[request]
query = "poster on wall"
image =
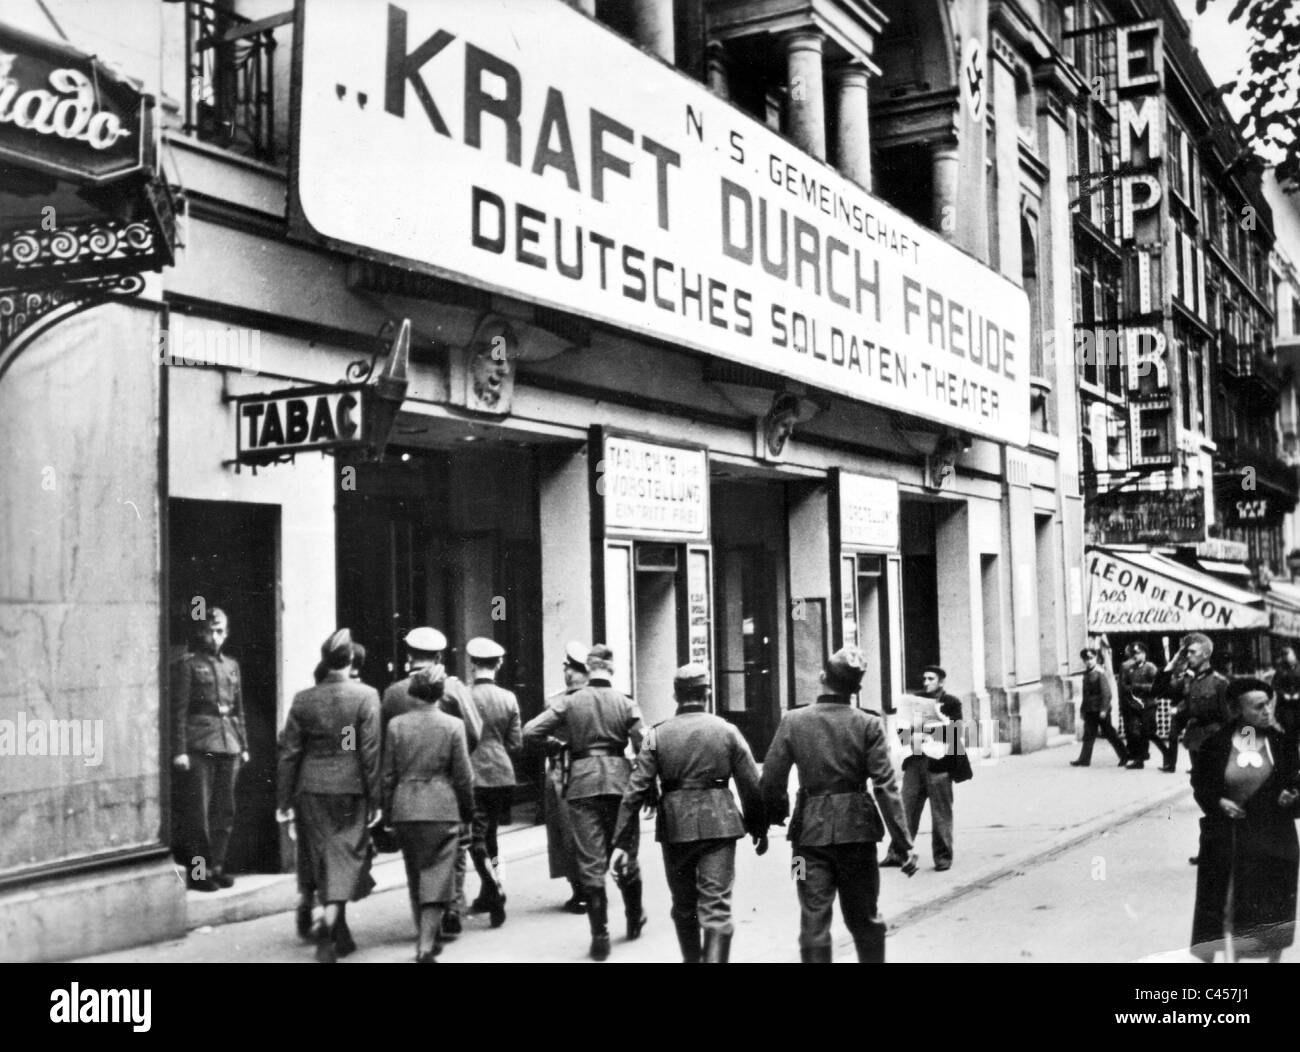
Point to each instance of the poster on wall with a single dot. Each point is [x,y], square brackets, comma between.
[699,616]
[651,489]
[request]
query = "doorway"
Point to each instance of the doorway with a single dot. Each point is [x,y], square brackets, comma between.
[228,553]
[920,590]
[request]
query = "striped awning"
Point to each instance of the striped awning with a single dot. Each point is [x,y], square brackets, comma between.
[1146,592]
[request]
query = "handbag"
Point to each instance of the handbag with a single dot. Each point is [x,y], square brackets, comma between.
[961,768]
[384,839]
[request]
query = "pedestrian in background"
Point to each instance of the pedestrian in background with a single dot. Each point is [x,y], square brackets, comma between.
[561,849]
[1137,706]
[329,777]
[598,722]
[693,757]
[208,744]
[835,827]
[1286,690]
[494,772]
[1095,710]
[1245,780]
[428,794]
[930,777]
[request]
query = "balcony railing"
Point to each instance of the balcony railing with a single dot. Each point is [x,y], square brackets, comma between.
[230,64]
[1238,451]
[1254,372]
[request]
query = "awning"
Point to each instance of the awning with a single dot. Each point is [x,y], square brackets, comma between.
[1283,605]
[1145,592]
[1226,569]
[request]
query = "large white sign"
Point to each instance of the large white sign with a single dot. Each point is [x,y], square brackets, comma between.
[868,512]
[654,490]
[524,148]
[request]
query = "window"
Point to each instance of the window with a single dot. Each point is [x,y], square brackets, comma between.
[1176,147]
[1295,316]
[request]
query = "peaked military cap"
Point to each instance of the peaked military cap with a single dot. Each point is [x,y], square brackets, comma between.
[426,639]
[480,648]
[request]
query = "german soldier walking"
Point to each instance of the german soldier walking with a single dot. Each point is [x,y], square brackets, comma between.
[835,827]
[494,771]
[694,755]
[561,849]
[1137,680]
[598,722]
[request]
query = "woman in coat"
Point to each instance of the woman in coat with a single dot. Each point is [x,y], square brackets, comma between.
[329,781]
[1246,783]
[428,791]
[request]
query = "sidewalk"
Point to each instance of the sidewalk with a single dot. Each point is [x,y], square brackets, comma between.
[1016,812]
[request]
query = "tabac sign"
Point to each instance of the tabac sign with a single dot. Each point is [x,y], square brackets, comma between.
[299,420]
[68,114]
[490,146]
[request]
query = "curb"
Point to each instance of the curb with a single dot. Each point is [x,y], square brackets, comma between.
[1002,869]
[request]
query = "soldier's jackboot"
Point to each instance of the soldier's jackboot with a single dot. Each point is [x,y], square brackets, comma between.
[688,938]
[598,918]
[871,949]
[816,954]
[717,947]
[636,915]
[489,898]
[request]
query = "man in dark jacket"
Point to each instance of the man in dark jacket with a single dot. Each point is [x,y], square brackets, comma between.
[208,744]
[694,756]
[1137,705]
[598,722]
[1205,696]
[1286,691]
[1095,710]
[835,827]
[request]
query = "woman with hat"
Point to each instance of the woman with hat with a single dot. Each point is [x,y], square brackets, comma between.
[329,782]
[428,792]
[1245,780]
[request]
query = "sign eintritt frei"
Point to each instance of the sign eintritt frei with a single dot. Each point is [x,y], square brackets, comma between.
[489,148]
[654,490]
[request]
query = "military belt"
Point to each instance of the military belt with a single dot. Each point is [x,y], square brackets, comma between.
[708,783]
[835,788]
[599,750]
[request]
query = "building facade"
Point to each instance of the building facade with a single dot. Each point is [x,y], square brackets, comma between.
[752,362]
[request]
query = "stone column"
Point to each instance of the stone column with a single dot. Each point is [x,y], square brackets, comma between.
[718,76]
[805,115]
[652,22]
[852,142]
[944,165]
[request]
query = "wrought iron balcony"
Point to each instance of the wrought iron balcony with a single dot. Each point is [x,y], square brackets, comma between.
[1253,372]
[230,73]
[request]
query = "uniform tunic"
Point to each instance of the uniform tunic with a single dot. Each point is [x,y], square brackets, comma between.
[494,770]
[693,756]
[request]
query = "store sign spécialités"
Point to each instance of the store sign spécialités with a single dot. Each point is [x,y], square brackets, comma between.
[868,512]
[67,114]
[654,490]
[491,147]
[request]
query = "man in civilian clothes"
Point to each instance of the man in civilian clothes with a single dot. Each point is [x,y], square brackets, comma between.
[598,722]
[1137,679]
[694,756]
[835,827]
[425,646]
[1095,710]
[494,771]
[926,778]
[208,744]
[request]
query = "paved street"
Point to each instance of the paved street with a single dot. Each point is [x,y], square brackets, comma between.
[1028,831]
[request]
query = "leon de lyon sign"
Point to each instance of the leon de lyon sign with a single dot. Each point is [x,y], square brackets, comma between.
[489,148]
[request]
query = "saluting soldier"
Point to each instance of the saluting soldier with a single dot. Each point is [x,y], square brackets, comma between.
[835,827]
[561,850]
[425,647]
[598,722]
[208,744]
[694,756]
[494,771]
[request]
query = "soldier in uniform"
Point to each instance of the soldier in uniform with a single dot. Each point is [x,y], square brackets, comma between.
[1204,697]
[1137,678]
[208,745]
[598,722]
[694,755]
[494,771]
[1286,691]
[562,853]
[425,647]
[835,827]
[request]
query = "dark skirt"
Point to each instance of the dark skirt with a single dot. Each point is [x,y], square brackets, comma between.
[429,850]
[1263,896]
[338,844]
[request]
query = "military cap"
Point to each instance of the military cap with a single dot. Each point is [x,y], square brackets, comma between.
[846,667]
[480,648]
[1197,637]
[337,649]
[428,683]
[600,658]
[426,639]
[691,677]
[575,654]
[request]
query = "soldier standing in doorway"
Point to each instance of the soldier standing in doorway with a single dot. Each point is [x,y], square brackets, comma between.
[694,756]
[835,827]
[562,852]
[426,646]
[208,744]
[494,772]
[598,722]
